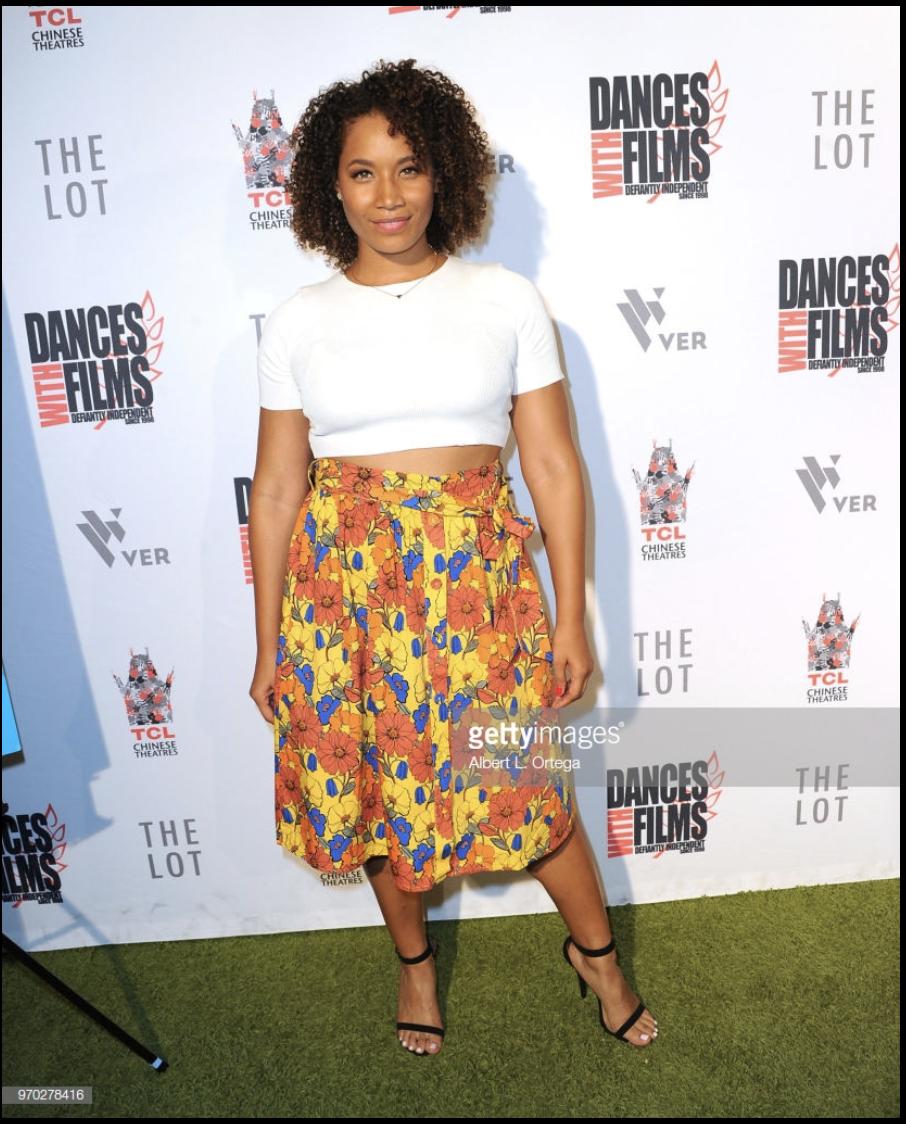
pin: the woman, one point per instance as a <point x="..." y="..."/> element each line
<point x="408" y="608"/>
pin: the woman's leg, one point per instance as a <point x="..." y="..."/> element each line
<point x="404" y="915"/>
<point x="570" y="877"/>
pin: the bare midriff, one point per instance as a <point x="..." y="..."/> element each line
<point x="433" y="462"/>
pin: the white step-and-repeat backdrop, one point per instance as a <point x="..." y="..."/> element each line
<point x="708" y="202"/>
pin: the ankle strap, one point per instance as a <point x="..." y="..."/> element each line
<point x="415" y="959"/>
<point x="595" y="951"/>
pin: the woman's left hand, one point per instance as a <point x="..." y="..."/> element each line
<point x="572" y="655"/>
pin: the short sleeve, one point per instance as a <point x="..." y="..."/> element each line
<point x="537" y="358"/>
<point x="277" y="389"/>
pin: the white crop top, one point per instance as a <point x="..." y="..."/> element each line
<point x="374" y="373"/>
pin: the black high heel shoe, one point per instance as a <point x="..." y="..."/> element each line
<point x="620" y="1032"/>
<point x="430" y="949"/>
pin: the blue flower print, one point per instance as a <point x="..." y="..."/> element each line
<point x="420" y="717"/>
<point x="338" y="845"/>
<point x="458" y="705"/>
<point x="421" y="854"/>
<point x="412" y="559"/>
<point x="399" y="685"/>
<point x="321" y="552"/>
<point x="402" y="827"/>
<point x="326" y="705"/>
<point x="457" y="563"/>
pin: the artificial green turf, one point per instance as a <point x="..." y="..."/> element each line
<point x="781" y="1003"/>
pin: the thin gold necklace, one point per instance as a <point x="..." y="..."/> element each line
<point x="398" y="296"/>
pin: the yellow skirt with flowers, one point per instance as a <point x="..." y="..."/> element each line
<point x="413" y="675"/>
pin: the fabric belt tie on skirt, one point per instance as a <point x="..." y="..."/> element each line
<point x="494" y="516"/>
<point x="493" y="511"/>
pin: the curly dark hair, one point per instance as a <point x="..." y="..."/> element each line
<point x="435" y="117"/>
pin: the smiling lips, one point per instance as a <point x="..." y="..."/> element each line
<point x="392" y="226"/>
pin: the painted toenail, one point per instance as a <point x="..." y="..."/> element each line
<point x="644" y="1037"/>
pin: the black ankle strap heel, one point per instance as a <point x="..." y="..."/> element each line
<point x="430" y="949"/>
<point x="620" y="1032"/>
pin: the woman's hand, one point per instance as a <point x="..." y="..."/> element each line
<point x="571" y="654"/>
<point x="262" y="688"/>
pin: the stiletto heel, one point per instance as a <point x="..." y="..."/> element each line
<point x="620" y="1032"/>
<point x="431" y="949"/>
<point x="583" y="986"/>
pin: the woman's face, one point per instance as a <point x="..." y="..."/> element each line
<point x="379" y="180"/>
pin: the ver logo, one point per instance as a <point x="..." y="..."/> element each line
<point x="815" y="479"/>
<point x="99" y="534"/>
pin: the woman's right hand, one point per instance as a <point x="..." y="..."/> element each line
<point x="262" y="688"/>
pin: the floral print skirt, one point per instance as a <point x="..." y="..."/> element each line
<point x="411" y="618"/>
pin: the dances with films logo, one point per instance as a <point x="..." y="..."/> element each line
<point x="654" y="134"/>
<point x="95" y="364"/>
<point x="242" y="488"/>
<point x="660" y="808"/>
<point x="266" y="161"/>
<point x="662" y="505"/>
<point x="829" y="645"/>
<point x="837" y="313"/>
<point x="149" y="711"/>
<point x="33" y="847"/>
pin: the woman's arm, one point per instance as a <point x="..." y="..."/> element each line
<point x="551" y="470"/>
<point x="279" y="486"/>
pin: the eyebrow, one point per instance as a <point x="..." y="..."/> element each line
<point x="358" y="160"/>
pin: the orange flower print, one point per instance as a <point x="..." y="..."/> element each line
<point x="328" y="601"/>
<point x="396" y="733"/>
<point x="466" y="608"/>
<point x="507" y="810"/>
<point x="526" y="606"/>
<point x="338" y="752"/>
<point x="390" y="588"/>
